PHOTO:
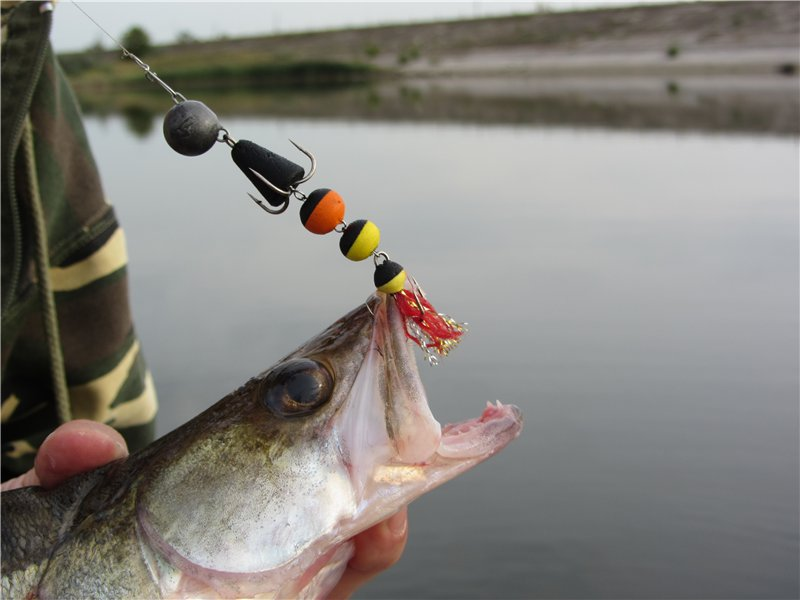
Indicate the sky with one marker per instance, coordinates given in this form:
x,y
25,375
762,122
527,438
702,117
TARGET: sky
x,y
164,21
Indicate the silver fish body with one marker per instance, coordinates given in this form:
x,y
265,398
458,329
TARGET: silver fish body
x,y
260,495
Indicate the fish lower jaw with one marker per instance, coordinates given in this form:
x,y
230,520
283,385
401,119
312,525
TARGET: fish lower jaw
x,y
471,440
395,483
497,425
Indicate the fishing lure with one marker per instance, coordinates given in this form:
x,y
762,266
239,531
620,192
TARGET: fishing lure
x,y
191,128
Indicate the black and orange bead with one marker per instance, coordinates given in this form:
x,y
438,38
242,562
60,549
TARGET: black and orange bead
x,y
322,211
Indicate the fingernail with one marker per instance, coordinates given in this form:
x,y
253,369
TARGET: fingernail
x,y
121,450
398,522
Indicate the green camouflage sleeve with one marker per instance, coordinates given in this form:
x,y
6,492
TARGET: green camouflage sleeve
x,y
69,349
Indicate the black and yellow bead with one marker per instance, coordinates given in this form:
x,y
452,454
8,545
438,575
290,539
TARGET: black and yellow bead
x,y
390,277
360,239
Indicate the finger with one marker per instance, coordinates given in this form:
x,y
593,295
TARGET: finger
x,y
377,549
76,447
24,480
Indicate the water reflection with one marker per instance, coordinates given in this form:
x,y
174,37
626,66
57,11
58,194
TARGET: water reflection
x,y
138,119
725,104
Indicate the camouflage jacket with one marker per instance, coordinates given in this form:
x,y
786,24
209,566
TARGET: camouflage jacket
x,y
68,345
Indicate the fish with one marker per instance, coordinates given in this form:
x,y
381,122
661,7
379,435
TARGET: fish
x,y
260,495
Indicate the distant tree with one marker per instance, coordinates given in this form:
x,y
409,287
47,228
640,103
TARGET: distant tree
x,y
96,48
409,54
185,37
673,50
136,40
372,50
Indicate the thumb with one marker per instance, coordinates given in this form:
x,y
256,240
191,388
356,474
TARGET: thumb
x,y
77,447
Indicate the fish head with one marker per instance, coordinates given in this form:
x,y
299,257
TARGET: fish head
x,y
263,493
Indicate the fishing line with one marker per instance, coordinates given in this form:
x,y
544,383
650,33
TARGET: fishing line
x,y
191,128
149,73
100,27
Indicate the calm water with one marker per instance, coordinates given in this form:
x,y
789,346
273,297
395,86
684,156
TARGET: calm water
x,y
635,293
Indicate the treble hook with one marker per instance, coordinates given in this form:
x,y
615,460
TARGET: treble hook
x,y
415,287
272,211
292,189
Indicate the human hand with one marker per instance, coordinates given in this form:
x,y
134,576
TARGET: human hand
x,y
377,549
72,448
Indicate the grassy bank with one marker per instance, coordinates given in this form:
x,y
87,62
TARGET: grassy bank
x,y
294,74
694,37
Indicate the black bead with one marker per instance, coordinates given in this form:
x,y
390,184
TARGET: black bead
x,y
385,272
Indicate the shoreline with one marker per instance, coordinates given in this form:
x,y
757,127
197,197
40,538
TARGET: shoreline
x,y
701,38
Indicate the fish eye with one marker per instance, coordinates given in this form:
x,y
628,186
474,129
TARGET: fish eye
x,y
297,388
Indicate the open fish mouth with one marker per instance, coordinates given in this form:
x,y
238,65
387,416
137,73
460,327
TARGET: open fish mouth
x,y
396,450
475,437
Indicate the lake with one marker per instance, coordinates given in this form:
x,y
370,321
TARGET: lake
x,y
633,288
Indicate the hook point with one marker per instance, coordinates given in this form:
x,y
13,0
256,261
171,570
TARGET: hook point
x,y
272,211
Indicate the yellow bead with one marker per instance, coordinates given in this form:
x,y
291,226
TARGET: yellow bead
x,y
360,239
390,277
394,285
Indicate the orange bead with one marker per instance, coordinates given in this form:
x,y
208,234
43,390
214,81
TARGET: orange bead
x,y
322,211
